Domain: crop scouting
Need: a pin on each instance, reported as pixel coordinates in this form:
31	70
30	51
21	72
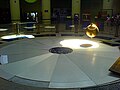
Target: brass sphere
92	30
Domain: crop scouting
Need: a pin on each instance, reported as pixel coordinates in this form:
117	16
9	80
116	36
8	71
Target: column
76	4
107	4
46	11
15	10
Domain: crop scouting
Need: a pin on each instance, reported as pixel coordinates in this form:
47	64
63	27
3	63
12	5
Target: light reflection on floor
79	43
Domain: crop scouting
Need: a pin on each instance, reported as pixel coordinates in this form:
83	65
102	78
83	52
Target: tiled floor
31	63
32	67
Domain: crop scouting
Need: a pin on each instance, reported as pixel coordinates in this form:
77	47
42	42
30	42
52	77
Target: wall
4	3
5	16
91	6
116	6
107	4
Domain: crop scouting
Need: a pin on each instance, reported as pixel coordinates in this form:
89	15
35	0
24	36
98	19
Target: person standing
76	22
117	23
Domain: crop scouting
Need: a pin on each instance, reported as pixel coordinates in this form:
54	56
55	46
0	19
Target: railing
41	28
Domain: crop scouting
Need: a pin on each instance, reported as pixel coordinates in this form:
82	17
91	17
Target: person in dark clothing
117	23
76	22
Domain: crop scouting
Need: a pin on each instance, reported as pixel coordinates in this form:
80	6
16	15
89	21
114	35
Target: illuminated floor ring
77	43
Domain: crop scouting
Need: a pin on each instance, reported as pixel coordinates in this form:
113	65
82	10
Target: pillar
107	4
15	10
76	4
46	11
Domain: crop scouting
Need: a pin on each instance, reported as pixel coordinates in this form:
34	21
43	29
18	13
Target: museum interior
59	45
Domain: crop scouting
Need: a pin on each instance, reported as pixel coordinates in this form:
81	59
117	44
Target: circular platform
31	63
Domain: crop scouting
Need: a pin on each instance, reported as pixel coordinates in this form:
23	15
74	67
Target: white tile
18	67
5	75
66	72
94	66
41	71
71	84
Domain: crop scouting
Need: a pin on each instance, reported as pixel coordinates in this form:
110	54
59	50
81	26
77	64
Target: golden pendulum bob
92	30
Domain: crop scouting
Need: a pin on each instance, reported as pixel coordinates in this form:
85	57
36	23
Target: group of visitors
114	20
